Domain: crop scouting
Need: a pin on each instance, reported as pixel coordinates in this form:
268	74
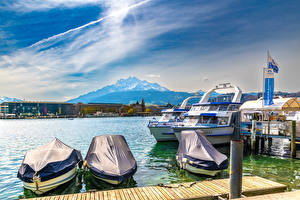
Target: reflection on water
156	161
92	183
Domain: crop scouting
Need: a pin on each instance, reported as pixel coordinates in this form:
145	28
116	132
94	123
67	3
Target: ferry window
203	107
213	107
233	107
223	107
205	119
191	119
223	120
213	120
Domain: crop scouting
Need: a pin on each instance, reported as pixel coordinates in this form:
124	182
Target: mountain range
132	89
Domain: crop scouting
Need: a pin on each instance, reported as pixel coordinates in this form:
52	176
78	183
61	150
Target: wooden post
262	144
293	139
237	126
236	168
253	135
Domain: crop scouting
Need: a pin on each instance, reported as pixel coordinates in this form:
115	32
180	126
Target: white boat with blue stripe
162	129
214	119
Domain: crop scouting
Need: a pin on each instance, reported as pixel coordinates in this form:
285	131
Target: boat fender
184	161
191	162
85	164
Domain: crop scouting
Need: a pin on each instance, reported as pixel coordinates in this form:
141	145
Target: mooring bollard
236	168
293	139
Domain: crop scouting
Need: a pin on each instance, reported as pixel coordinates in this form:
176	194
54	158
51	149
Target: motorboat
109	159
213	118
197	155
49	166
162	129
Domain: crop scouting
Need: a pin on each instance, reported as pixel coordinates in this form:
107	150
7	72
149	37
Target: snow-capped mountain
135	84
123	85
8	99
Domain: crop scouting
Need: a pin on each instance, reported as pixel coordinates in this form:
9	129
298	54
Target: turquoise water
156	161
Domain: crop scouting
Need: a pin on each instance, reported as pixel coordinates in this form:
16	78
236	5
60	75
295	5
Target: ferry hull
216	136
45	186
163	134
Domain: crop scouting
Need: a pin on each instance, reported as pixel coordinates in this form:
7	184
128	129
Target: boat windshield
167	117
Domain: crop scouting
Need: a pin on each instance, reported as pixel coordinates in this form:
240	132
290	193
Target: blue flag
272	64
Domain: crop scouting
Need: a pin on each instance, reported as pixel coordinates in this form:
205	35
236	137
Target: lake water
156	161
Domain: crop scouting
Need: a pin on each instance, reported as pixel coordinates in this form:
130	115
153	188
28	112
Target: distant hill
8	99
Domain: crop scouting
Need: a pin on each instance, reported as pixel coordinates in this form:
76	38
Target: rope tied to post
36	178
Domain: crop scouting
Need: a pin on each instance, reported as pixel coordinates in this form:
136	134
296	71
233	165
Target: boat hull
113	182
45	186
163	133
196	170
215	135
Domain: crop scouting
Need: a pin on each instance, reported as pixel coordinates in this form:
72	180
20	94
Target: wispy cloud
37	5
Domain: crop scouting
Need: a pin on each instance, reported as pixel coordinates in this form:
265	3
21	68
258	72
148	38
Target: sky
60	49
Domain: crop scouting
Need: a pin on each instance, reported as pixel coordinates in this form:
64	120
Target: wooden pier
211	189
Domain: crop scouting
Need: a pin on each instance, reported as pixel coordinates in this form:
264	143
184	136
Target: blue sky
60	49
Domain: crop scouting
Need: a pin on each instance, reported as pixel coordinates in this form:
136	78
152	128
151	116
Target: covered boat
49	166
197	155
110	159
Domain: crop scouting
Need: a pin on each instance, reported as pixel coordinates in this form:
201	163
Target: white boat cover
280	104
109	157
49	161
199	152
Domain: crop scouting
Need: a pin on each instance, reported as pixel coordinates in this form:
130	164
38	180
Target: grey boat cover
49	161
109	157
196	148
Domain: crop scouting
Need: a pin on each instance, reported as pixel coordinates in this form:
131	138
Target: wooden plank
134	194
166	194
112	195
126	194
158	192
101	195
171	193
118	197
179	193
146	193
122	196
140	196
105	197
149	191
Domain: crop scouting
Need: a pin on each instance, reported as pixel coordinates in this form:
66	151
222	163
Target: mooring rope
178	186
